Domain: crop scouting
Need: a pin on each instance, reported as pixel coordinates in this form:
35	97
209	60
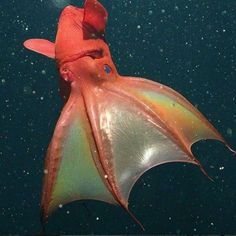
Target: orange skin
89	78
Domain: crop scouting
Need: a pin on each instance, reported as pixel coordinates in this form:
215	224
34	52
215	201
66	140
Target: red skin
85	65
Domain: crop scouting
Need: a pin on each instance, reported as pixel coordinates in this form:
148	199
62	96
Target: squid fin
95	15
41	46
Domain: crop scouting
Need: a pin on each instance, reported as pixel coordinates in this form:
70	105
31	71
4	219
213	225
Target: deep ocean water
187	45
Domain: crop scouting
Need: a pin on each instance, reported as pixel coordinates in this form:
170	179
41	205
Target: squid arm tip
205	173
231	149
134	218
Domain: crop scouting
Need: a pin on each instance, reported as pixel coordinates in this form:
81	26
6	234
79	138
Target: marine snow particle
229	132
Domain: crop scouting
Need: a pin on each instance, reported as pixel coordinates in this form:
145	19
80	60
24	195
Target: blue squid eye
107	69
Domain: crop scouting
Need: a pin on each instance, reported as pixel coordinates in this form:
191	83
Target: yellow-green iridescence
178	117
78	177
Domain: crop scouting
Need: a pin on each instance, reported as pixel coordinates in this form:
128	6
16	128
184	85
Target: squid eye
107	69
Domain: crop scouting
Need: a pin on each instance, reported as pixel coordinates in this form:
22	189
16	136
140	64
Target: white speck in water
27	89
224	12
176	8
229	132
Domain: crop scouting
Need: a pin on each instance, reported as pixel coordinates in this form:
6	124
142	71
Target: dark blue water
187	45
